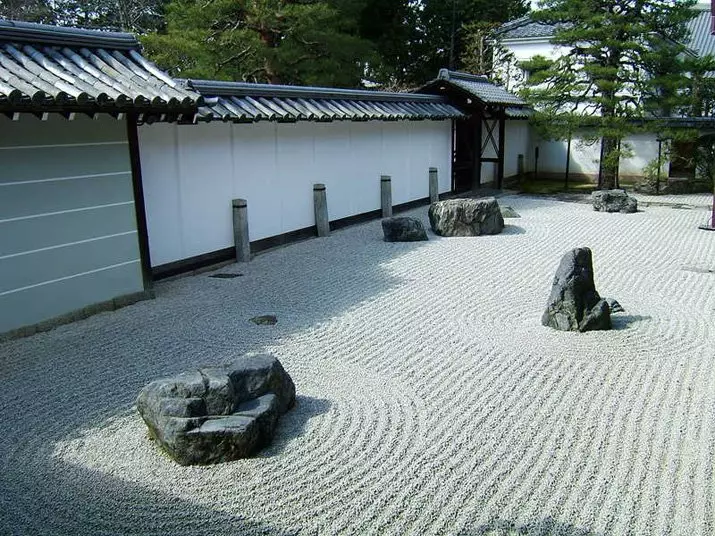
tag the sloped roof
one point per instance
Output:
(244, 102)
(525, 28)
(702, 42)
(50, 68)
(477, 86)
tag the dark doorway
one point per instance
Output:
(682, 160)
(464, 155)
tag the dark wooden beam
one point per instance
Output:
(500, 150)
(139, 205)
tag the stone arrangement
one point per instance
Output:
(217, 414)
(574, 303)
(613, 201)
(466, 217)
(403, 229)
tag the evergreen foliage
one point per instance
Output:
(623, 61)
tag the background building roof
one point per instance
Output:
(49, 68)
(525, 28)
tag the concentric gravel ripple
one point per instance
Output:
(430, 398)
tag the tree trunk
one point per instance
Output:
(608, 171)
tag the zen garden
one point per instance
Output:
(357, 267)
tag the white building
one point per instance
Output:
(524, 39)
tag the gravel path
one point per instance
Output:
(431, 400)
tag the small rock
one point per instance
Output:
(466, 217)
(508, 212)
(574, 303)
(615, 306)
(265, 320)
(403, 230)
(613, 201)
(217, 414)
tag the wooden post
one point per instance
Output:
(386, 195)
(501, 148)
(520, 166)
(433, 185)
(320, 205)
(240, 230)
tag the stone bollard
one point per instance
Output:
(433, 185)
(386, 196)
(320, 206)
(240, 230)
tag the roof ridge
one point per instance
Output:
(446, 74)
(241, 89)
(31, 32)
(516, 23)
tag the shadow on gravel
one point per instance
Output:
(292, 424)
(110, 506)
(542, 527)
(78, 376)
(513, 230)
(621, 321)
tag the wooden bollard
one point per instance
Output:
(320, 205)
(240, 230)
(386, 195)
(433, 185)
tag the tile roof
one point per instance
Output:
(701, 41)
(244, 102)
(49, 68)
(525, 28)
(477, 86)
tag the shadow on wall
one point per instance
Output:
(542, 527)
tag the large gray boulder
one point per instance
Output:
(574, 303)
(466, 217)
(403, 230)
(217, 414)
(613, 201)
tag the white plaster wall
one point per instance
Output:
(192, 172)
(584, 157)
(516, 142)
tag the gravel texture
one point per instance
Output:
(431, 400)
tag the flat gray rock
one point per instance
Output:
(403, 229)
(217, 414)
(508, 212)
(574, 304)
(613, 201)
(466, 217)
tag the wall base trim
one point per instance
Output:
(216, 259)
(78, 314)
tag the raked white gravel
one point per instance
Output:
(430, 398)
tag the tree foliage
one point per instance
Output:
(137, 16)
(273, 41)
(395, 43)
(622, 61)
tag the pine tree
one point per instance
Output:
(272, 41)
(622, 61)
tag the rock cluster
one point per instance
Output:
(574, 304)
(217, 414)
(613, 201)
(466, 217)
(403, 229)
